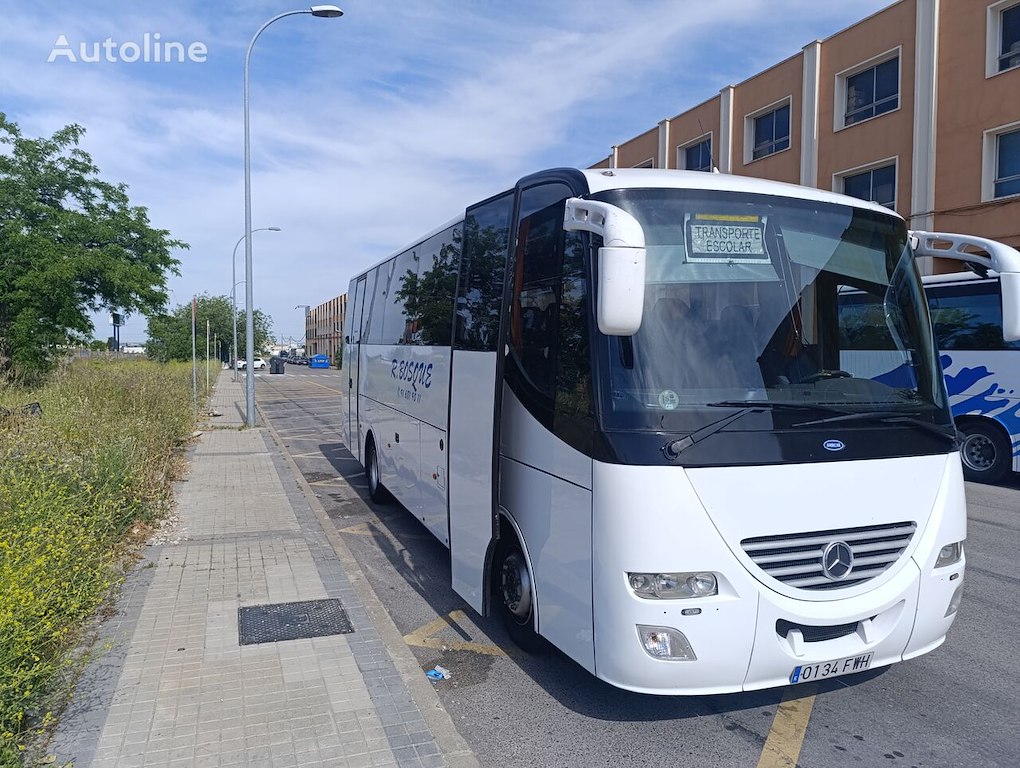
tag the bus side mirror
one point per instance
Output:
(1009, 283)
(621, 290)
(621, 263)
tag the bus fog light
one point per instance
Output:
(954, 602)
(950, 554)
(672, 586)
(665, 643)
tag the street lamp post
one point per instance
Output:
(322, 11)
(234, 282)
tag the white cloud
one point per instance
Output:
(371, 129)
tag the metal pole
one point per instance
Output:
(233, 291)
(249, 320)
(207, 357)
(194, 358)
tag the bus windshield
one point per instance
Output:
(741, 307)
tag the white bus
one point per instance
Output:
(979, 355)
(619, 398)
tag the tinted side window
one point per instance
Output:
(967, 317)
(483, 266)
(396, 326)
(574, 417)
(427, 297)
(535, 306)
(375, 296)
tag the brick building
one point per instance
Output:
(916, 107)
(324, 326)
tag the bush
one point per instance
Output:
(72, 483)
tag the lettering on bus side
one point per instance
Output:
(413, 372)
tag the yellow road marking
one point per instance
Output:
(427, 636)
(782, 747)
(323, 386)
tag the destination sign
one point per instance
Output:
(726, 239)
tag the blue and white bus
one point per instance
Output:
(621, 399)
(978, 349)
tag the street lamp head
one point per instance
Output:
(326, 11)
(273, 229)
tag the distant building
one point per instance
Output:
(132, 349)
(916, 107)
(324, 329)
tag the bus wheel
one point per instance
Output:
(985, 452)
(376, 490)
(516, 598)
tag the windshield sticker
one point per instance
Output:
(721, 239)
(668, 400)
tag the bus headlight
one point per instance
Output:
(949, 554)
(672, 586)
(665, 643)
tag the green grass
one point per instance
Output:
(73, 482)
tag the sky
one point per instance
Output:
(369, 130)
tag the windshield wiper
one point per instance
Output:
(886, 417)
(772, 405)
(674, 448)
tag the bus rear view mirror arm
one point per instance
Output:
(621, 263)
(1001, 258)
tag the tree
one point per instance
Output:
(170, 334)
(70, 244)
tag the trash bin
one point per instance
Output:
(277, 365)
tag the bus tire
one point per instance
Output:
(376, 490)
(515, 593)
(985, 452)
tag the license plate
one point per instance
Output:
(826, 669)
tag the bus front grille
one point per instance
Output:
(796, 558)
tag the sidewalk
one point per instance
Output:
(172, 685)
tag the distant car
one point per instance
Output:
(258, 364)
(297, 360)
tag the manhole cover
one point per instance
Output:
(292, 621)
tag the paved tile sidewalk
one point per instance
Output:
(172, 686)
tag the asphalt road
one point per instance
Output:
(956, 706)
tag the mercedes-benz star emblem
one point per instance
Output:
(837, 560)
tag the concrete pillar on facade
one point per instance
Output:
(663, 160)
(726, 130)
(926, 53)
(809, 115)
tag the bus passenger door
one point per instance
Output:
(352, 349)
(471, 456)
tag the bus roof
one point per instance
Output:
(600, 179)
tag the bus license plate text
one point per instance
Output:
(826, 669)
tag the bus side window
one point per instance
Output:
(574, 418)
(535, 301)
(483, 264)
(967, 316)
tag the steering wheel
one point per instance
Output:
(823, 375)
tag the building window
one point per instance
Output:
(1007, 164)
(875, 184)
(771, 132)
(872, 92)
(1003, 36)
(696, 156)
